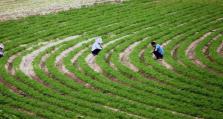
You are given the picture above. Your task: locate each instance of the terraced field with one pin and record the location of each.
(48, 71)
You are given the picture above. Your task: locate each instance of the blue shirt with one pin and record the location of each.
(159, 49)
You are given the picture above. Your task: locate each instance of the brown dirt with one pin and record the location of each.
(205, 50)
(12, 88)
(43, 64)
(62, 68)
(107, 57)
(220, 49)
(165, 64)
(191, 53)
(141, 54)
(75, 58)
(9, 65)
(43, 60)
(90, 59)
(74, 61)
(124, 57)
(174, 54)
(174, 51)
(26, 65)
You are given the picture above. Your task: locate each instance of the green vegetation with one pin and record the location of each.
(67, 89)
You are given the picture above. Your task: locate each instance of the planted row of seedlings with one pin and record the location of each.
(119, 92)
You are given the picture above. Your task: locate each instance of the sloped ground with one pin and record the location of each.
(48, 70)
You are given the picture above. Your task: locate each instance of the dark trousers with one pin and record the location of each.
(158, 55)
(1, 56)
(96, 51)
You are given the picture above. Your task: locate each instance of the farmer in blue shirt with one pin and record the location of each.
(158, 50)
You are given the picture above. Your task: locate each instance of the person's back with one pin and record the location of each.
(158, 50)
(96, 47)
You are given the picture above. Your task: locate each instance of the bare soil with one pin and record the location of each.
(26, 65)
(190, 51)
(124, 57)
(205, 50)
(9, 65)
(107, 57)
(12, 88)
(174, 51)
(220, 49)
(62, 68)
(90, 59)
(14, 9)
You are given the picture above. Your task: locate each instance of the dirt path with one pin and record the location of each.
(107, 57)
(205, 50)
(26, 65)
(174, 54)
(190, 51)
(124, 57)
(12, 88)
(174, 51)
(220, 49)
(90, 59)
(165, 64)
(43, 60)
(61, 66)
(14, 9)
(9, 66)
(175, 48)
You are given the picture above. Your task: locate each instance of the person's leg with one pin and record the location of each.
(93, 53)
(161, 56)
(158, 55)
(97, 51)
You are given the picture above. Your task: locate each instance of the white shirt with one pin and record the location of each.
(97, 44)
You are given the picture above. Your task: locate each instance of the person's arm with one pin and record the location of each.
(156, 48)
(99, 46)
(153, 50)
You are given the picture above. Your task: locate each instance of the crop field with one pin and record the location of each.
(48, 72)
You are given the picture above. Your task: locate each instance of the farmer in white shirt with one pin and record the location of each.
(96, 47)
(1, 50)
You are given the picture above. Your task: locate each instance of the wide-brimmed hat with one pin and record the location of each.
(99, 40)
(1, 46)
